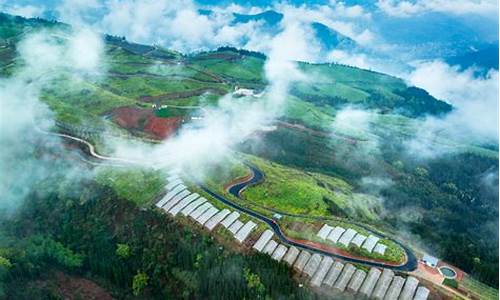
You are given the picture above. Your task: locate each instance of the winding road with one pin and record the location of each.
(257, 176)
(89, 145)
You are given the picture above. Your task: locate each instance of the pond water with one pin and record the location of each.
(448, 272)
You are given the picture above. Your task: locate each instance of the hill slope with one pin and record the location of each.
(431, 198)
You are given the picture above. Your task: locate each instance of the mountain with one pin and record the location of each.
(270, 17)
(328, 38)
(424, 36)
(331, 39)
(337, 153)
(441, 36)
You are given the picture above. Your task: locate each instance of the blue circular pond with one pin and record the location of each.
(448, 272)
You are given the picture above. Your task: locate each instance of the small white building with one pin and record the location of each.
(242, 92)
(430, 260)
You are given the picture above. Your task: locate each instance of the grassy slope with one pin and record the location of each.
(479, 289)
(138, 185)
(350, 83)
(307, 230)
(308, 193)
(298, 192)
(134, 75)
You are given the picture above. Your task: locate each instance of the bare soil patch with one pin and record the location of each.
(144, 120)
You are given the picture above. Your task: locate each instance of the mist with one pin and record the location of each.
(205, 143)
(474, 119)
(29, 156)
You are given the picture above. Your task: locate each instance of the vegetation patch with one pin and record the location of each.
(138, 185)
(307, 193)
(307, 229)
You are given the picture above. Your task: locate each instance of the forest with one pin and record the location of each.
(130, 252)
(450, 192)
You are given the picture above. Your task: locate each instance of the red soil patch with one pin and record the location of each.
(237, 180)
(144, 120)
(161, 128)
(130, 117)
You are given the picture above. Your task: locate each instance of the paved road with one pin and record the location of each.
(90, 146)
(258, 176)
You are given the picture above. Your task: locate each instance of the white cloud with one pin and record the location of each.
(331, 17)
(45, 56)
(364, 61)
(343, 57)
(202, 144)
(341, 10)
(177, 24)
(475, 117)
(349, 119)
(191, 28)
(86, 51)
(458, 7)
(356, 122)
(238, 9)
(82, 53)
(78, 12)
(142, 21)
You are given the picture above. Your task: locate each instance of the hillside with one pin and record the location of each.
(139, 75)
(318, 165)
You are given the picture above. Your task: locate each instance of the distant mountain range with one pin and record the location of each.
(464, 40)
(431, 36)
(328, 37)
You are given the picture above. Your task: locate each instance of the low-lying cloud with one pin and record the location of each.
(44, 56)
(180, 25)
(207, 142)
(475, 101)
(27, 11)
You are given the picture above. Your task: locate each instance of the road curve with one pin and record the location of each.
(258, 176)
(236, 189)
(90, 146)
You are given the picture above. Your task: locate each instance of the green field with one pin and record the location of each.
(298, 111)
(307, 193)
(138, 185)
(479, 289)
(313, 165)
(219, 175)
(169, 77)
(239, 69)
(307, 229)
